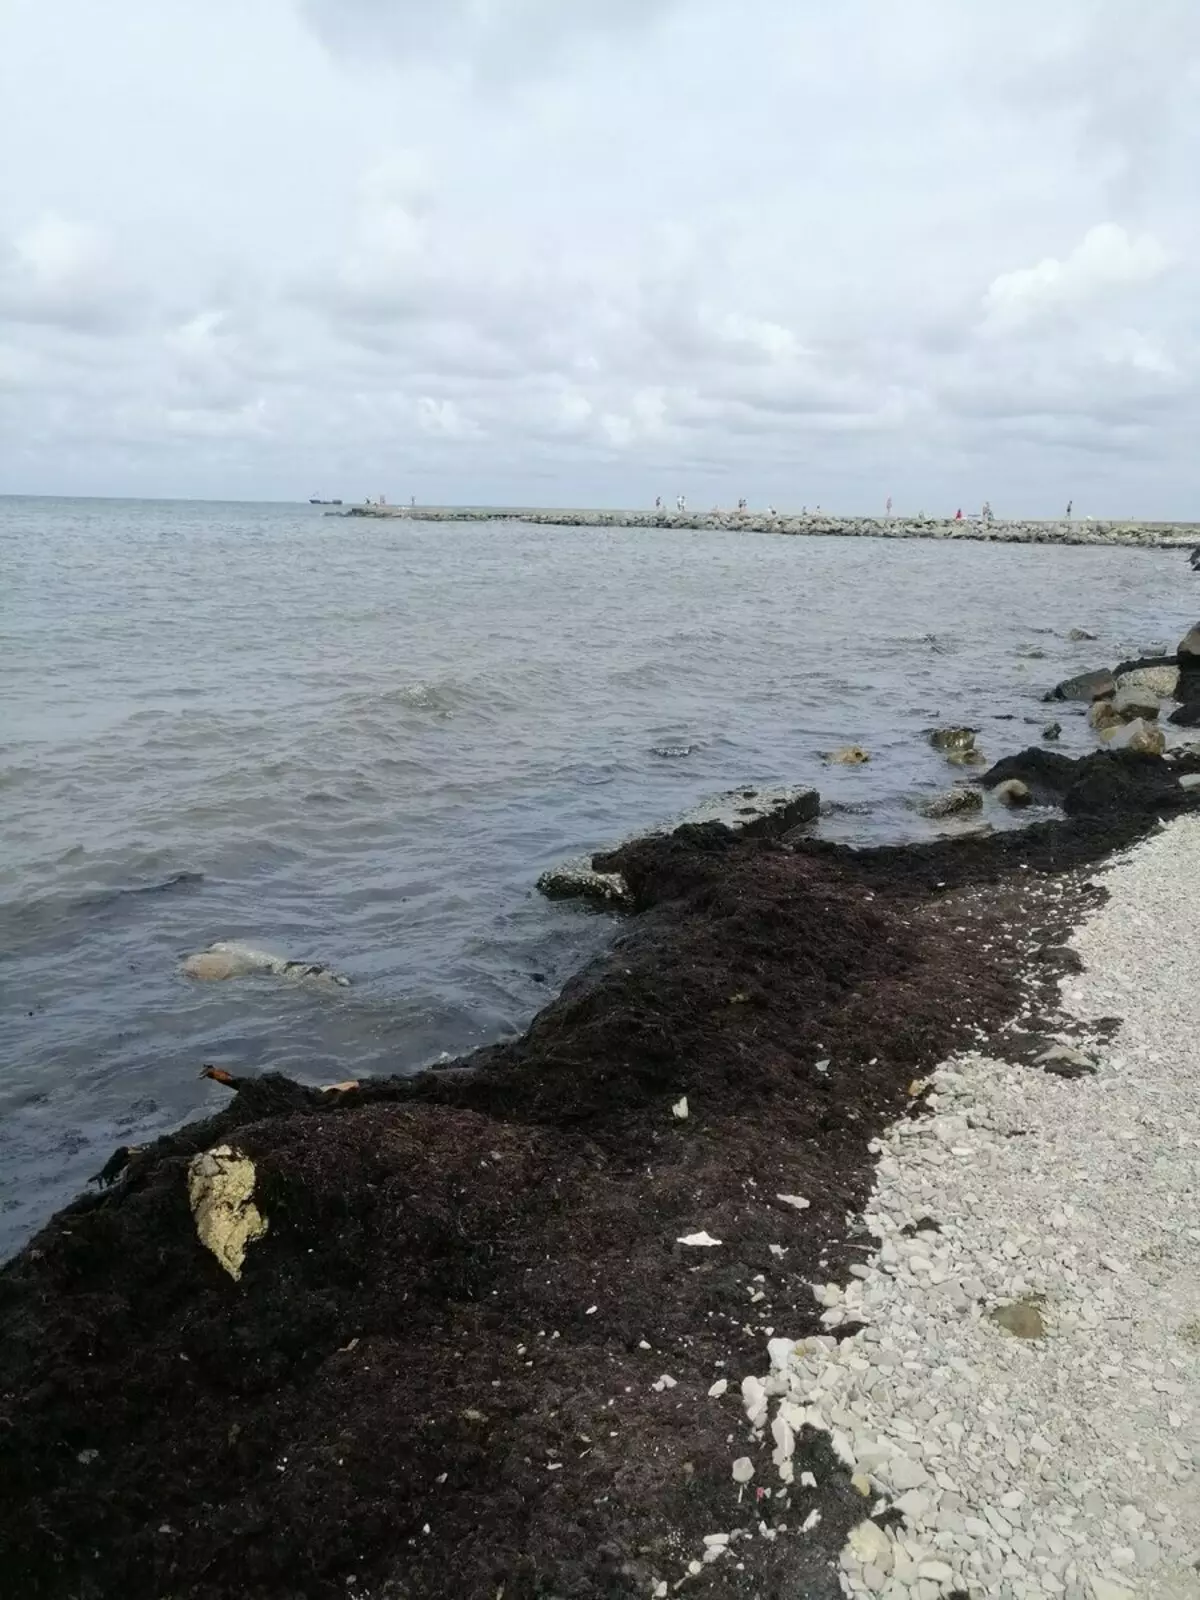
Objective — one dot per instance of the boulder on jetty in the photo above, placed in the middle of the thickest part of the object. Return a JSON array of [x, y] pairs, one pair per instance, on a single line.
[[1133, 700], [750, 812], [1085, 686]]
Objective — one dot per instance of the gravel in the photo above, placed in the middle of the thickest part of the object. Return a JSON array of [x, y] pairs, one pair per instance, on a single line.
[[1023, 1394]]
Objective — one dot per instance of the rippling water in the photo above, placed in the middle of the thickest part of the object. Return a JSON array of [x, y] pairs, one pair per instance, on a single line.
[[359, 742]]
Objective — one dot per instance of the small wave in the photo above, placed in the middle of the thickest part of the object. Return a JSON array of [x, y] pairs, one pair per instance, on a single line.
[[108, 897], [673, 752]]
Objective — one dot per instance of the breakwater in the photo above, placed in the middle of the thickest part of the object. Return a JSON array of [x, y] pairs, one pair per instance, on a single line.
[[1151, 535]]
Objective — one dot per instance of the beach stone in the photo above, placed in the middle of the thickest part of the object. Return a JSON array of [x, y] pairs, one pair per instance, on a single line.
[[1190, 780], [1020, 1318], [1186, 716], [1012, 792], [1085, 686], [952, 803], [1189, 645]]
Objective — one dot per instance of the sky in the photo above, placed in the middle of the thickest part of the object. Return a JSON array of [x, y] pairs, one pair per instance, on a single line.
[[583, 252]]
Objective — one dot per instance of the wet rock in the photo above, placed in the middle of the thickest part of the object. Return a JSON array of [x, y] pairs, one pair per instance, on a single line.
[[578, 880], [1012, 792], [1085, 686], [1139, 736], [1020, 1318], [1106, 783], [1103, 716], [952, 739], [1132, 700], [1190, 781], [1078, 635], [1189, 645], [850, 755], [1160, 680], [1186, 716], [966, 758], [953, 803], [1051, 731]]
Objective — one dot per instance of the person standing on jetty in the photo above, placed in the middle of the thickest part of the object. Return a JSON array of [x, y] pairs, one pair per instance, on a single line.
[[1070, 503]]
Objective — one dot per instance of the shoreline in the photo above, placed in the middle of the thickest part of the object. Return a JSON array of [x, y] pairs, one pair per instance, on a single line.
[[1118, 533], [484, 1330]]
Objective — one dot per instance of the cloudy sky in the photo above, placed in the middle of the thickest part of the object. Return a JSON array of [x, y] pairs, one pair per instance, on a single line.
[[590, 251]]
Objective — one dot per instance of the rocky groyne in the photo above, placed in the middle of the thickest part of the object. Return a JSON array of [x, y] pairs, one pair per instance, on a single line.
[[1145, 535], [652, 1300]]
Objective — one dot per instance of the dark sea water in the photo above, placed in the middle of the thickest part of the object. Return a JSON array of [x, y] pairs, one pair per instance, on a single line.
[[362, 741]]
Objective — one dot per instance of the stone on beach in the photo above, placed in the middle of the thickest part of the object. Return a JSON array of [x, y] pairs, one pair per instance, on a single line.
[[1140, 737], [1189, 645]]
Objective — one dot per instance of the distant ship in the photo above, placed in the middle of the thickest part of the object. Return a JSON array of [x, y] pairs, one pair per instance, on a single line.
[[315, 500]]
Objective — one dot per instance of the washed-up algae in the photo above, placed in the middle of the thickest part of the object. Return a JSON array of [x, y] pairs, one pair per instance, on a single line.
[[436, 1374]]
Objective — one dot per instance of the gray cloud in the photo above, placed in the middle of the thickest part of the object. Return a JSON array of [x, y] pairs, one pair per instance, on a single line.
[[816, 254]]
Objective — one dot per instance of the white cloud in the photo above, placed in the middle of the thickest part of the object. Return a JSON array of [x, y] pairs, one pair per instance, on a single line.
[[1107, 260], [662, 259]]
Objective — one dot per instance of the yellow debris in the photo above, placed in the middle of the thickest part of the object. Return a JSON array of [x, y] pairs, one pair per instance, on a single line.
[[220, 1191]]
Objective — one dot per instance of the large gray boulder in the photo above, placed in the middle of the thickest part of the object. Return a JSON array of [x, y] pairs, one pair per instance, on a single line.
[[1189, 645], [1086, 686]]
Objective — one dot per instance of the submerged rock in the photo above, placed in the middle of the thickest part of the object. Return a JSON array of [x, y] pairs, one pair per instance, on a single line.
[[1051, 731], [850, 755], [228, 958], [1078, 635], [952, 739], [953, 803]]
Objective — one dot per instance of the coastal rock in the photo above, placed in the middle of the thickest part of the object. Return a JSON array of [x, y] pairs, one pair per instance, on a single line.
[[1085, 686], [850, 755], [1078, 635], [1189, 645], [951, 739], [1052, 731], [1160, 680], [1103, 716], [1140, 738], [1012, 792], [953, 803], [1187, 715], [1133, 700], [1064, 1061], [577, 880]]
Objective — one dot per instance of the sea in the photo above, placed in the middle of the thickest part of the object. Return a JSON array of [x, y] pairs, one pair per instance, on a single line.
[[359, 742]]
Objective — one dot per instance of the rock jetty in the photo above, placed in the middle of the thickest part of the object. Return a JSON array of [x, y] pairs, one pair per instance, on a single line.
[[1145, 535]]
